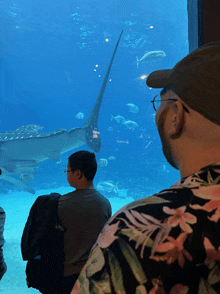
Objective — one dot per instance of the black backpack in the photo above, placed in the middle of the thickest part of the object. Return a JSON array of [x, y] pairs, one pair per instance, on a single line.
[[45, 271]]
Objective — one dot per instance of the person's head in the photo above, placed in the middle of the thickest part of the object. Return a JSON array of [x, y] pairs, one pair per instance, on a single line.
[[188, 119], [82, 167]]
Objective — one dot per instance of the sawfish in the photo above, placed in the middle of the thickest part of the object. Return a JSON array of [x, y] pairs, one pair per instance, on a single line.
[[23, 149]]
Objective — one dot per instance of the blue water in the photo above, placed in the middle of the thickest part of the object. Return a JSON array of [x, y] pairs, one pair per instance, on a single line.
[[48, 53]]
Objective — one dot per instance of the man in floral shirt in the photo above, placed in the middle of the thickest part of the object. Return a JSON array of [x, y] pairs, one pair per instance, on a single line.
[[170, 242]]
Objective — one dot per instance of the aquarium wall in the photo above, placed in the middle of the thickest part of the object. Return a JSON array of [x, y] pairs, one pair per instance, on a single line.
[[53, 61]]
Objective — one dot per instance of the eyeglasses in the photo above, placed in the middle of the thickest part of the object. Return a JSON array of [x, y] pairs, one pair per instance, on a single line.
[[67, 171], [156, 103]]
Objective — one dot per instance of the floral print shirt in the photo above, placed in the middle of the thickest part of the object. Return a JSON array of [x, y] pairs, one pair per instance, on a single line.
[[166, 243]]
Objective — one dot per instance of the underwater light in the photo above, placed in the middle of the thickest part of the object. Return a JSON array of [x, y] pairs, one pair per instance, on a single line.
[[143, 77]]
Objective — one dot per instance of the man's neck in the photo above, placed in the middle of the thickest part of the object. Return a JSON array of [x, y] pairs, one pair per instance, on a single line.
[[193, 164], [85, 185]]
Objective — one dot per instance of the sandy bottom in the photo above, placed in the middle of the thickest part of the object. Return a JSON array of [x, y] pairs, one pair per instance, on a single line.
[[17, 207]]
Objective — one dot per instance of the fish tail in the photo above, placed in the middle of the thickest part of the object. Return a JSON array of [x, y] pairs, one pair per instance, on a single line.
[[137, 61]]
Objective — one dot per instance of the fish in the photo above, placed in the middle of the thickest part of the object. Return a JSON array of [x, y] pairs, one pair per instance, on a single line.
[[122, 193], [112, 158], [151, 56], [119, 119], [80, 115], [124, 142], [133, 108], [107, 186], [131, 124], [103, 162], [23, 149]]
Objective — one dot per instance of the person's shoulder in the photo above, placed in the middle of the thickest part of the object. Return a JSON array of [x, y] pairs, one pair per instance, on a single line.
[[99, 195], [69, 194], [153, 205], [99, 198]]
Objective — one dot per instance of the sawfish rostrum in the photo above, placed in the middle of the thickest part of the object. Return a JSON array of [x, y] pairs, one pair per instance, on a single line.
[[23, 149]]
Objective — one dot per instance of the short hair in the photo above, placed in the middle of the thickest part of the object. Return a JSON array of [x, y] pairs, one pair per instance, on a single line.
[[84, 161]]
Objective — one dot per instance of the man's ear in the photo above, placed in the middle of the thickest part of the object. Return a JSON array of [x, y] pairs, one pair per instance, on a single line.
[[78, 173], [177, 120]]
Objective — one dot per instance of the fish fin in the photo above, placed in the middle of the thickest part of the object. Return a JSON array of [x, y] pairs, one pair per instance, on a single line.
[[137, 61], [18, 183], [116, 188]]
